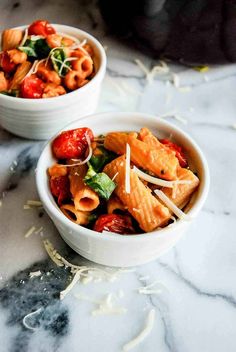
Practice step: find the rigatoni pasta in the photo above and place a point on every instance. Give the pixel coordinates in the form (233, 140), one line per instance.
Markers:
(98, 184)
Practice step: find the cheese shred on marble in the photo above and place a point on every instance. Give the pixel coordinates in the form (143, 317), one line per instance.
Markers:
(26, 317)
(143, 334)
(33, 274)
(89, 274)
(30, 231)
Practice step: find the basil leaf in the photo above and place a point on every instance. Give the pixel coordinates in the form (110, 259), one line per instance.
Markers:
(99, 182)
(58, 58)
(101, 157)
(42, 48)
(35, 47)
(28, 51)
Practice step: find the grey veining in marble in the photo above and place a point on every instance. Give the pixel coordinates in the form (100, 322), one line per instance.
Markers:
(196, 306)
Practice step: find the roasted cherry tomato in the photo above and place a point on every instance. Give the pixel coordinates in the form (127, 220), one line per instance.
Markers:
(60, 188)
(32, 88)
(71, 144)
(6, 64)
(178, 151)
(41, 27)
(121, 224)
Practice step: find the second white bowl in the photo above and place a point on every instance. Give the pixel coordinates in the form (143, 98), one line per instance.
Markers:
(113, 249)
(42, 118)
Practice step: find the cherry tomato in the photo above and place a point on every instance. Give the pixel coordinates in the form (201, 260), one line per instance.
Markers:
(41, 27)
(71, 144)
(60, 188)
(178, 151)
(6, 64)
(121, 224)
(31, 88)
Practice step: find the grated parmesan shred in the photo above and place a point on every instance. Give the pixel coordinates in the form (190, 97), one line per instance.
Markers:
(127, 169)
(33, 274)
(30, 232)
(34, 203)
(107, 307)
(80, 272)
(143, 334)
(26, 317)
(159, 181)
(178, 212)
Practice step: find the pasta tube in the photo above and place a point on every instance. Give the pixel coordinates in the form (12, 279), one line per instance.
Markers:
(114, 204)
(20, 74)
(77, 216)
(181, 193)
(85, 199)
(160, 161)
(143, 206)
(11, 38)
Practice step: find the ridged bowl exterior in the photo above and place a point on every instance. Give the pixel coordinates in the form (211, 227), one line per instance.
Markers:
(42, 118)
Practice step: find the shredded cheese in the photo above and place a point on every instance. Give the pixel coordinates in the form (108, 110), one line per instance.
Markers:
(116, 174)
(159, 181)
(24, 37)
(127, 169)
(80, 272)
(24, 321)
(175, 80)
(106, 307)
(178, 212)
(30, 231)
(33, 274)
(157, 69)
(35, 203)
(143, 334)
(70, 286)
(39, 230)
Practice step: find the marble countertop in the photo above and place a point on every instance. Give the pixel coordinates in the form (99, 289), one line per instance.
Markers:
(195, 303)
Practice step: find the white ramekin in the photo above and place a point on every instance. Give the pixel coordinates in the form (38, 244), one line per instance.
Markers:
(113, 249)
(42, 118)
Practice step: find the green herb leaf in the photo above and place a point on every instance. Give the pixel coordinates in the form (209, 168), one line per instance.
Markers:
(36, 47)
(58, 58)
(11, 93)
(100, 183)
(101, 158)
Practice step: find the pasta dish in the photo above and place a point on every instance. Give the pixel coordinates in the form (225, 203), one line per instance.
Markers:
(41, 63)
(123, 182)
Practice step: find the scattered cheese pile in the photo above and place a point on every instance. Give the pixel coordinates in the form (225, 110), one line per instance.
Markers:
(80, 272)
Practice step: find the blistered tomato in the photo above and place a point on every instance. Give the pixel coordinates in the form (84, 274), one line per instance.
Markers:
(72, 144)
(60, 188)
(41, 27)
(32, 88)
(178, 151)
(6, 64)
(121, 224)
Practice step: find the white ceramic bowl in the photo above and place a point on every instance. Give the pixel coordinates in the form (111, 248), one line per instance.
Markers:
(113, 249)
(42, 118)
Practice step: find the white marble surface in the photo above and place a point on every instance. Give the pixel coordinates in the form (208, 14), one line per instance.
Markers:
(197, 309)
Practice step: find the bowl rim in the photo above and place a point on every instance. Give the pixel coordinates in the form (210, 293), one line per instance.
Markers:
(55, 212)
(71, 95)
